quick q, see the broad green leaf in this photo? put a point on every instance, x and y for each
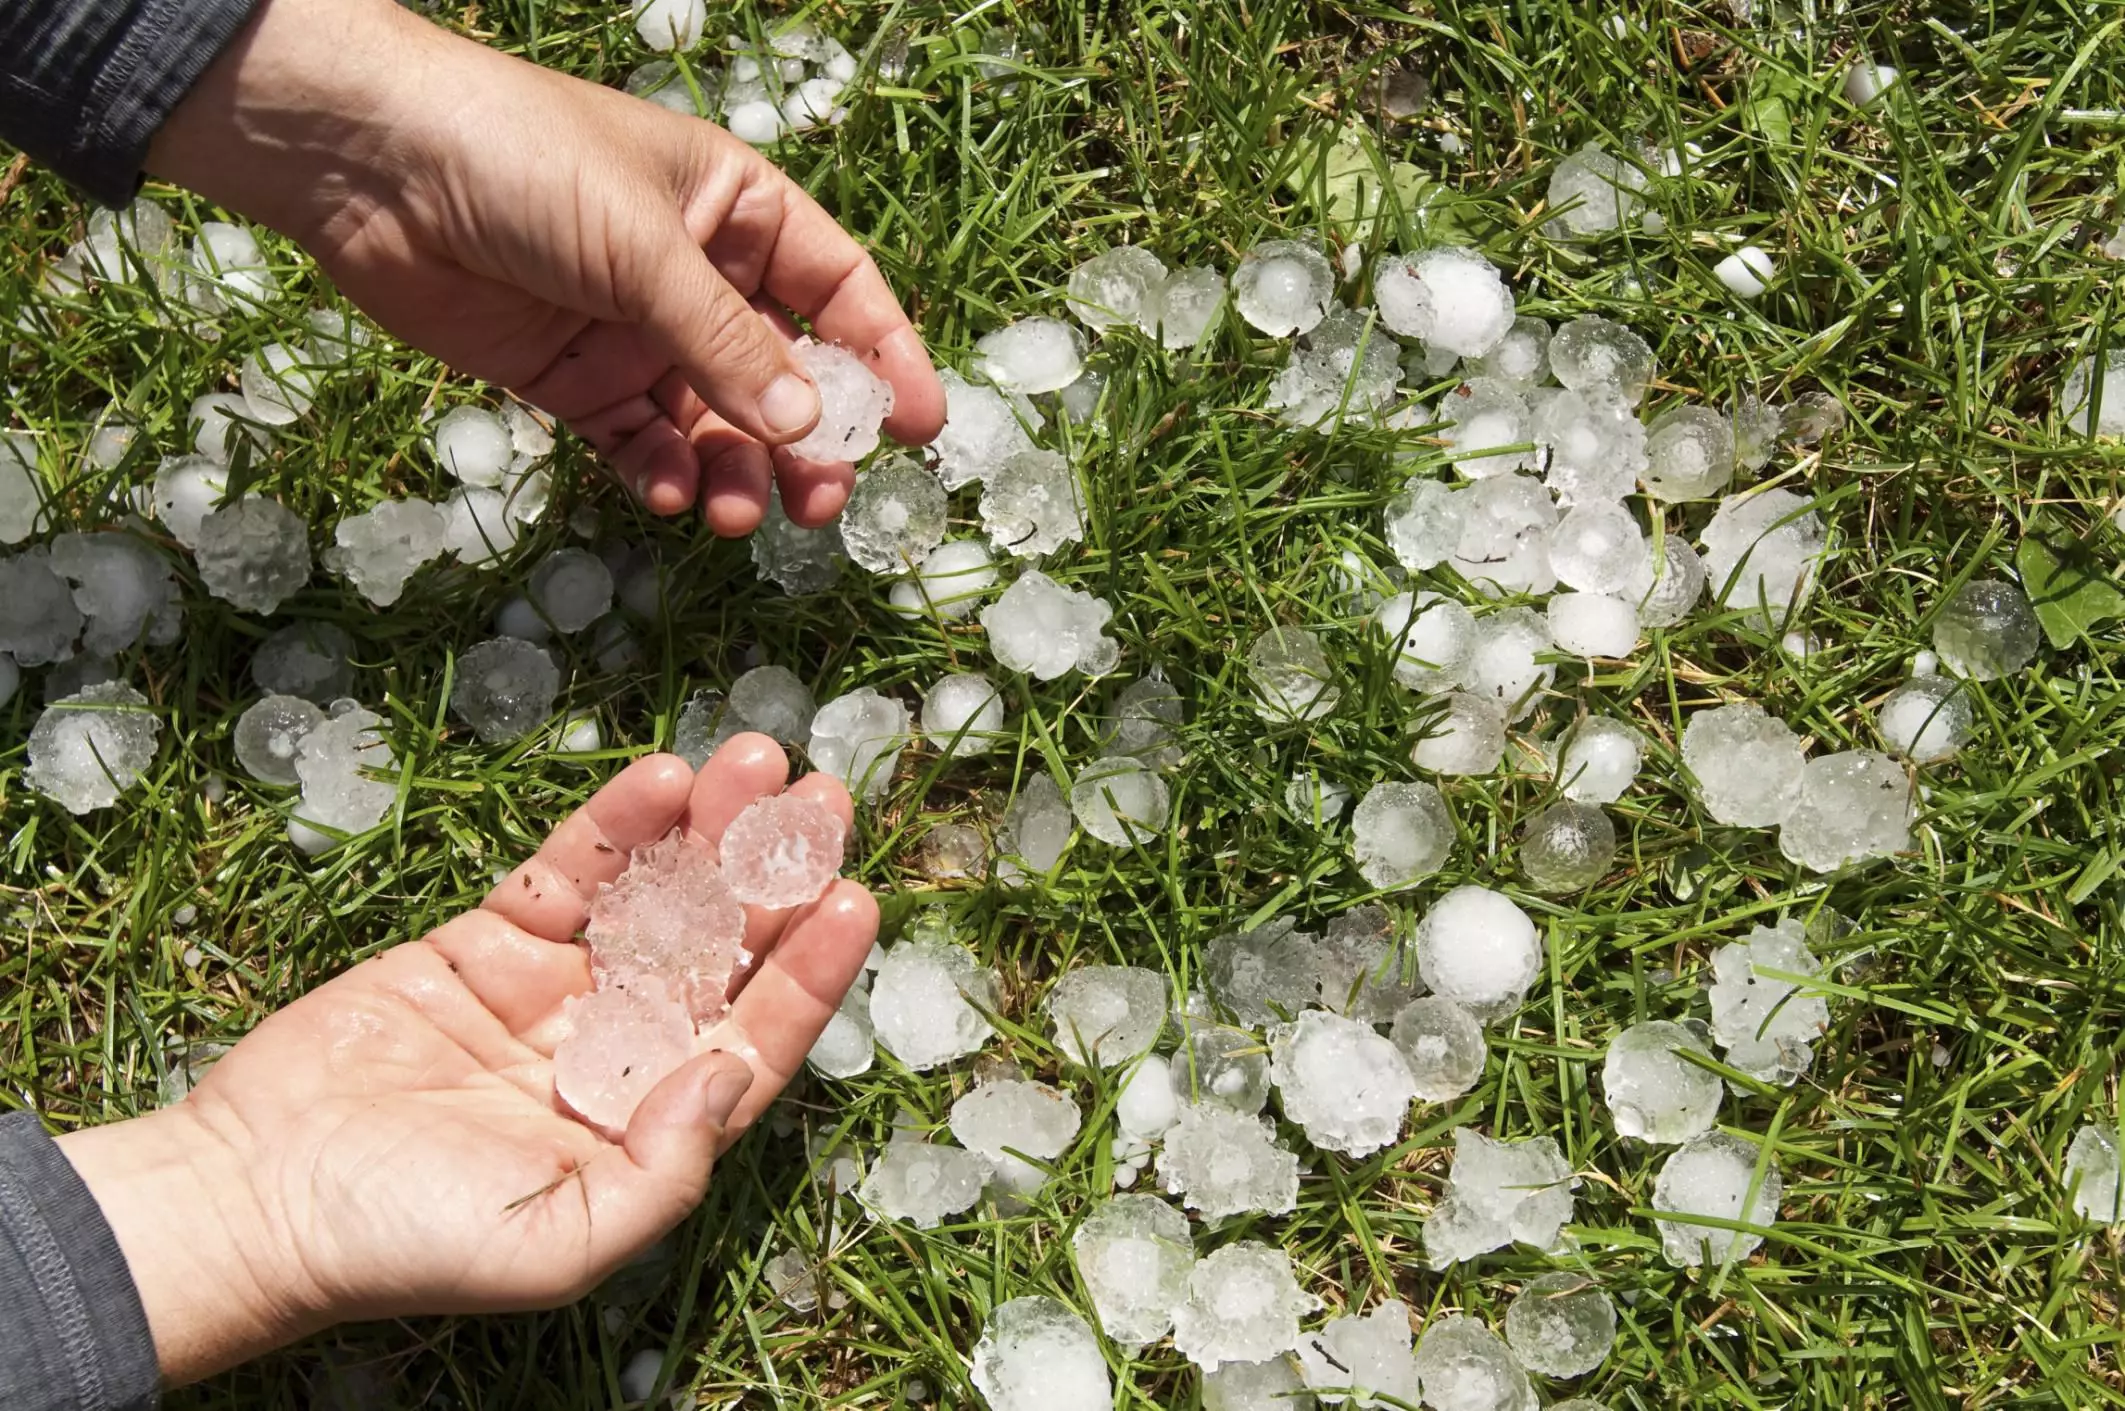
(2070, 588)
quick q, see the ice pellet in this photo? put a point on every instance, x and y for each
(1927, 719)
(253, 554)
(983, 428)
(1014, 1125)
(923, 1184)
(383, 546)
(1031, 504)
(1747, 272)
(950, 582)
(1593, 192)
(1112, 288)
(1460, 734)
(1592, 354)
(2091, 1173)
(1291, 676)
(1432, 636)
(1446, 298)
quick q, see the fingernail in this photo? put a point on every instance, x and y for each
(789, 405)
(725, 1091)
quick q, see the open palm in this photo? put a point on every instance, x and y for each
(400, 1125)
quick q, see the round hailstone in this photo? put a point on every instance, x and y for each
(1146, 722)
(473, 446)
(1504, 543)
(1031, 504)
(949, 583)
(1712, 1176)
(846, 1047)
(573, 587)
(1283, 287)
(253, 554)
(1987, 630)
(1814, 416)
(1461, 735)
(479, 529)
(1597, 760)
(1866, 81)
(21, 492)
(1567, 847)
(1346, 1086)
(1464, 1366)
(1598, 548)
(1504, 667)
(1593, 192)
(1033, 355)
(774, 701)
(782, 851)
(853, 403)
(1926, 720)
(308, 659)
(1183, 309)
(962, 714)
(1653, 1091)
(1148, 1104)
(1400, 834)
(1746, 273)
(1561, 1325)
(1423, 524)
(923, 1002)
(1316, 801)
(1477, 948)
(278, 388)
(1689, 454)
(187, 490)
(1853, 806)
(1451, 299)
(1667, 583)
(1292, 678)
(1593, 625)
(1224, 1067)
(1111, 290)
(39, 618)
(668, 25)
(1120, 800)
(1747, 764)
(622, 1041)
(1482, 417)
(1243, 1304)
(1520, 357)
(895, 515)
(1432, 636)
(1113, 1011)
(1443, 1045)
(269, 735)
(89, 747)
(858, 738)
(505, 689)
(1134, 1254)
(1592, 354)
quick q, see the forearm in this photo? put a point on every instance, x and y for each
(216, 1286)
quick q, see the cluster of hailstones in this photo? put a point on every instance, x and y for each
(791, 83)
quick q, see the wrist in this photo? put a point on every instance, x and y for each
(218, 1287)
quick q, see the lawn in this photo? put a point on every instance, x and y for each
(1940, 264)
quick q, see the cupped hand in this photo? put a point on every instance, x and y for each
(628, 269)
(401, 1145)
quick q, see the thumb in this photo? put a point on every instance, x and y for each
(678, 1129)
(730, 355)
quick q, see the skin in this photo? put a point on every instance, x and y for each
(391, 1143)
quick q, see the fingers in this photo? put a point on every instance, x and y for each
(520, 978)
(749, 766)
(813, 492)
(671, 1145)
(550, 895)
(763, 927)
(735, 474)
(658, 464)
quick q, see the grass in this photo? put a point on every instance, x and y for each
(1937, 269)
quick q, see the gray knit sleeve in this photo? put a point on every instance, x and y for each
(85, 84)
(73, 1336)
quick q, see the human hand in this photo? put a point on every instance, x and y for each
(391, 1144)
(624, 267)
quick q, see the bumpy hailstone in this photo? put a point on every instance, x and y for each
(1120, 800)
(1689, 454)
(1283, 287)
(1504, 667)
(1597, 760)
(1359, 966)
(1460, 734)
(1987, 630)
(1264, 974)
(1450, 299)
(253, 554)
(505, 689)
(1134, 1254)
(1747, 272)
(1854, 805)
(1504, 544)
(1432, 637)
(853, 403)
(1712, 1175)
(1223, 1066)
(2091, 1173)
(670, 918)
(1031, 504)
(1270, 1385)
(962, 714)
(1593, 625)
(1183, 309)
(1593, 192)
(1567, 847)
(1597, 548)
(1667, 584)
(1768, 1026)
(622, 1041)
(1443, 1045)
(89, 747)
(1292, 678)
(982, 429)
(1036, 1355)
(1362, 1358)
(380, 548)
(473, 446)
(1763, 550)
(895, 516)
(950, 582)
(345, 765)
(1032, 356)
(1111, 1012)
(1594, 442)
(1423, 524)
(1499, 1193)
(278, 388)
(1480, 950)
(1400, 834)
(1340, 1081)
(1592, 354)
(1222, 1162)
(783, 851)
(125, 590)
(858, 739)
(1467, 1367)
(846, 1047)
(1243, 1305)
(1927, 719)
(795, 559)
(269, 737)
(923, 1184)
(1046, 630)
(1561, 1325)
(1110, 290)
(923, 1002)
(1013, 1124)
(1654, 1092)
(1747, 764)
